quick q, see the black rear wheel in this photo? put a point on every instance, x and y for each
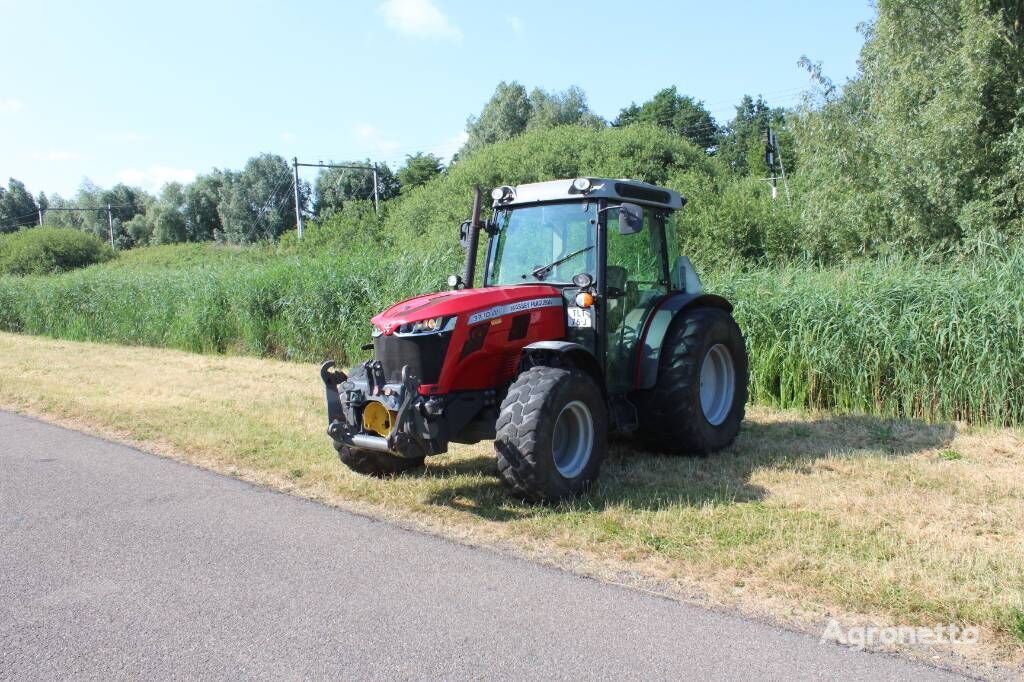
(378, 464)
(699, 400)
(551, 434)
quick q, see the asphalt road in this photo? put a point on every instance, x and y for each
(115, 563)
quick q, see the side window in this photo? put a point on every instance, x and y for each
(634, 283)
(640, 254)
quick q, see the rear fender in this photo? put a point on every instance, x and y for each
(657, 328)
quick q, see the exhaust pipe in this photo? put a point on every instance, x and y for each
(474, 240)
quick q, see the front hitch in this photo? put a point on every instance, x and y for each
(403, 441)
(332, 377)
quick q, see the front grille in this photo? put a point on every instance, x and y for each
(424, 354)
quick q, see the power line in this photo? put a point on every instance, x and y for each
(18, 221)
(261, 214)
(374, 168)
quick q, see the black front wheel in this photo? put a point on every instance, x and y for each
(552, 433)
(699, 400)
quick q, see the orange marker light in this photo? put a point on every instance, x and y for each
(584, 299)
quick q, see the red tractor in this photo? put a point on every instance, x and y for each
(587, 322)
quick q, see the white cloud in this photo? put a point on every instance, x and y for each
(515, 23)
(374, 140)
(11, 105)
(420, 18)
(155, 177)
(288, 136)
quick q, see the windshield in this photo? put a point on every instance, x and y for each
(548, 243)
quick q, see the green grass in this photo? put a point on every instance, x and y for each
(901, 339)
(1016, 619)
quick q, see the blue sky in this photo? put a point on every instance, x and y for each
(145, 92)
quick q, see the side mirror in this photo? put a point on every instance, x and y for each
(464, 230)
(631, 219)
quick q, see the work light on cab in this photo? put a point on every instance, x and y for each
(581, 184)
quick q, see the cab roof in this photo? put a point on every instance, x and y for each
(632, 191)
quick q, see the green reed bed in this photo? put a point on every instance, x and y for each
(901, 338)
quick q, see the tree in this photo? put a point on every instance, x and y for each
(126, 202)
(918, 147)
(335, 186)
(167, 215)
(259, 202)
(679, 113)
(741, 145)
(510, 112)
(140, 229)
(202, 221)
(17, 207)
(504, 116)
(418, 169)
(550, 109)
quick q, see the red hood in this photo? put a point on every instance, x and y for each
(463, 302)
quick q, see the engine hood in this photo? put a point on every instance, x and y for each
(475, 305)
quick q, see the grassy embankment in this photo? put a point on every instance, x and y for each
(900, 338)
(807, 516)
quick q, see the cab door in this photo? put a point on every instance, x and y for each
(636, 279)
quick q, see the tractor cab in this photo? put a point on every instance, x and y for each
(585, 321)
(609, 245)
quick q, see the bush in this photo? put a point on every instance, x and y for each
(49, 250)
(356, 225)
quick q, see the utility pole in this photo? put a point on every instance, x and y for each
(782, 167)
(771, 152)
(376, 194)
(373, 168)
(90, 209)
(110, 224)
(40, 209)
(769, 159)
(298, 207)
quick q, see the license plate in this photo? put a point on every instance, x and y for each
(581, 317)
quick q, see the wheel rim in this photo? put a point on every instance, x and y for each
(572, 439)
(717, 384)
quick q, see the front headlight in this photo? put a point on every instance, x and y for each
(433, 325)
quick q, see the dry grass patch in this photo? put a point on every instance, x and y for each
(806, 517)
